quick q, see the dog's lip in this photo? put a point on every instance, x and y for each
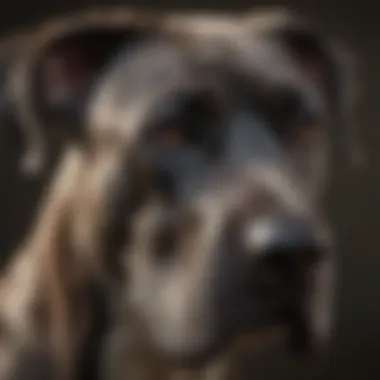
(235, 339)
(199, 359)
(247, 338)
(245, 342)
(261, 339)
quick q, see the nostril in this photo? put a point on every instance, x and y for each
(301, 255)
(283, 239)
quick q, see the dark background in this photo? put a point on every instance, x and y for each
(352, 201)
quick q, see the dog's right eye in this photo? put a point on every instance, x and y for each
(171, 136)
(291, 116)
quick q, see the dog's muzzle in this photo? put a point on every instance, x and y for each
(285, 252)
(271, 268)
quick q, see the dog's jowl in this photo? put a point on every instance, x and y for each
(183, 219)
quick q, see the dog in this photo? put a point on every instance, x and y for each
(182, 224)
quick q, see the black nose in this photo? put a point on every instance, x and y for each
(286, 239)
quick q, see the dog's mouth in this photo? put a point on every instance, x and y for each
(251, 307)
(288, 328)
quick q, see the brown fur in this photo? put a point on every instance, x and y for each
(46, 290)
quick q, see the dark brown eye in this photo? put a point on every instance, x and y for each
(291, 115)
(304, 136)
(191, 120)
(171, 137)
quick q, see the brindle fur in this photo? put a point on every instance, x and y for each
(64, 297)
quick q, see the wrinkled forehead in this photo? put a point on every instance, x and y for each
(175, 63)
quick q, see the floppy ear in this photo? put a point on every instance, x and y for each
(47, 84)
(328, 66)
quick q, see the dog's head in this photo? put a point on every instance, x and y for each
(203, 146)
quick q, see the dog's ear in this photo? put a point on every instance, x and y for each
(327, 65)
(47, 83)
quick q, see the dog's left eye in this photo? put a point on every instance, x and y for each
(190, 121)
(171, 136)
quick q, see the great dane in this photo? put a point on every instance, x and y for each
(183, 225)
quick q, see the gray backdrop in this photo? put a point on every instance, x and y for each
(353, 199)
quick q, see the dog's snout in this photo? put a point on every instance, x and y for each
(284, 238)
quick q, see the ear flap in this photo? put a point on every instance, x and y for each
(326, 65)
(47, 83)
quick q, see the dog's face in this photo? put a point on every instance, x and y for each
(201, 171)
(212, 144)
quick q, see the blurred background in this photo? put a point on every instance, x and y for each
(352, 202)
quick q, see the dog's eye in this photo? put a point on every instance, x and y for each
(190, 121)
(304, 131)
(181, 135)
(304, 136)
(292, 117)
(171, 136)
